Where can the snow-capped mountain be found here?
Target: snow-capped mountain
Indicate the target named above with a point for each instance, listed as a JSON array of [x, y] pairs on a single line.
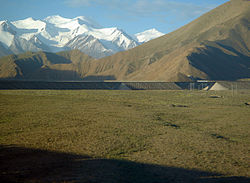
[[6, 33], [56, 33], [87, 44], [148, 35]]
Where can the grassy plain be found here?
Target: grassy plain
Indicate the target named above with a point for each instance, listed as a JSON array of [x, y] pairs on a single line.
[[124, 136]]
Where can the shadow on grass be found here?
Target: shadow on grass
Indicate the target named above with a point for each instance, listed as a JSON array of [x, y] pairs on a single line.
[[18, 164]]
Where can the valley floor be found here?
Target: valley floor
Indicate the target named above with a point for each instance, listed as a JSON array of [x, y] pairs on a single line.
[[124, 136]]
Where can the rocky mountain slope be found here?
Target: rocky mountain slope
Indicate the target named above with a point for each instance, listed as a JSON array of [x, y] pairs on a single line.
[[214, 46]]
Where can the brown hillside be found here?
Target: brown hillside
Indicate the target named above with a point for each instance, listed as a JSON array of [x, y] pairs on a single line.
[[215, 46], [44, 65]]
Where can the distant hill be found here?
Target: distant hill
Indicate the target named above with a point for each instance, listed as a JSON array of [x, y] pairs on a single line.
[[67, 65], [214, 46]]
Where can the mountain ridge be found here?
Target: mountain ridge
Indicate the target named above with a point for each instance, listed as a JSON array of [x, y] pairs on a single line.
[[213, 47], [55, 34]]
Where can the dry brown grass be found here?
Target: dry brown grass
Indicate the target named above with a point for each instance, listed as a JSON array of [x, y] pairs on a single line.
[[124, 131]]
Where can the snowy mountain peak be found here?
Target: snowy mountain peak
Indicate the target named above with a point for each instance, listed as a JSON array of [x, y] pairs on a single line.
[[81, 17], [56, 19], [29, 23], [3, 22], [148, 35], [152, 30], [29, 19], [87, 21], [71, 24], [56, 33], [7, 33], [6, 26]]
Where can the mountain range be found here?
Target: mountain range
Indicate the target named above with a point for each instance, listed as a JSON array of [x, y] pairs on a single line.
[[213, 47], [56, 33]]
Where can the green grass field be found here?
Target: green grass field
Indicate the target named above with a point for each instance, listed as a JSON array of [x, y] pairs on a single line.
[[124, 136]]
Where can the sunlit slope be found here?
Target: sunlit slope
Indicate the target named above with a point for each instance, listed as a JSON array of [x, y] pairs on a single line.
[[214, 46]]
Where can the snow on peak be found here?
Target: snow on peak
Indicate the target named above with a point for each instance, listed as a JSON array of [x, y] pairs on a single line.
[[56, 19], [61, 22], [29, 19], [81, 17], [56, 33], [2, 22], [87, 21], [29, 23], [7, 33], [7, 26], [148, 35]]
